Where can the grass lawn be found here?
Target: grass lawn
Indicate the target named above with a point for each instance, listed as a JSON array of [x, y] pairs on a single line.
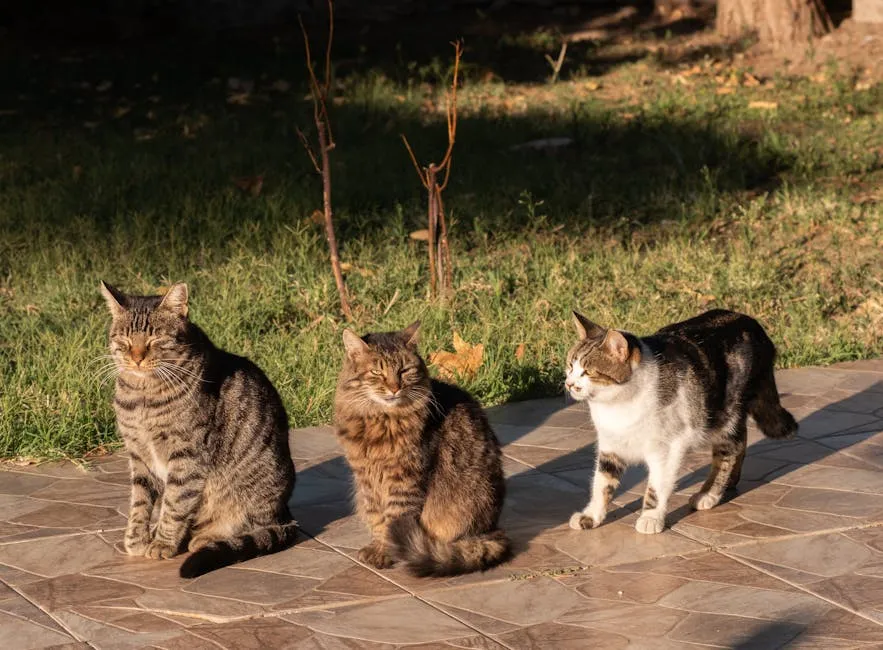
[[688, 186]]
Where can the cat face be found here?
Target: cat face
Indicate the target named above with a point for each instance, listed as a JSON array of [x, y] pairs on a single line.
[[599, 363], [145, 334], [384, 370]]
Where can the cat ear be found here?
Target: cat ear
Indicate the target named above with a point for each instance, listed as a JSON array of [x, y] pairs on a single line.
[[586, 328], [175, 299], [115, 300], [410, 333], [617, 345], [353, 343]]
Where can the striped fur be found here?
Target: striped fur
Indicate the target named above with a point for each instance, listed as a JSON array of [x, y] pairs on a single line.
[[426, 463], [207, 438], [653, 399]]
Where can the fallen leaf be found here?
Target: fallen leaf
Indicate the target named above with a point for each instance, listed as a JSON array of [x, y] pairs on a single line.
[[769, 106], [281, 86], [104, 86], [463, 363], [318, 217], [725, 90], [120, 111], [76, 172], [519, 351], [420, 235], [750, 80], [238, 99], [250, 184]]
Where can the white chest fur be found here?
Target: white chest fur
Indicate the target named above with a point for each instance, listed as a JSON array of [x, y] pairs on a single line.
[[157, 465]]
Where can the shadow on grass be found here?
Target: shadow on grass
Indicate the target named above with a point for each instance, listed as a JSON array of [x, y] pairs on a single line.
[[150, 129]]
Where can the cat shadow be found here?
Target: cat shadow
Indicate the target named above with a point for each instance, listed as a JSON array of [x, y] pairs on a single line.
[[544, 496], [541, 496]]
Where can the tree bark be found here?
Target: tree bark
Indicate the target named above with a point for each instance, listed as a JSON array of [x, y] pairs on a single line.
[[775, 22]]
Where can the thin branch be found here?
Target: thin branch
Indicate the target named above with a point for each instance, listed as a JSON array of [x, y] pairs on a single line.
[[419, 171], [308, 148]]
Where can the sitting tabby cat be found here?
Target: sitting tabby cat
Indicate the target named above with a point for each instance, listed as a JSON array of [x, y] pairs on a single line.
[[426, 462], [652, 399], [207, 437]]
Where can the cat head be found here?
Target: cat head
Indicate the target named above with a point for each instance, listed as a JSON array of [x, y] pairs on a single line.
[[384, 370], [146, 332], [600, 363]]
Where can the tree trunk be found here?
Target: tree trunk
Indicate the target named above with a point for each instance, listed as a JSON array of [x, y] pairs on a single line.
[[775, 22]]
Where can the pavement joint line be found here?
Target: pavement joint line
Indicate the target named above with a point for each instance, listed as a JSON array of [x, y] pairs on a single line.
[[802, 588]]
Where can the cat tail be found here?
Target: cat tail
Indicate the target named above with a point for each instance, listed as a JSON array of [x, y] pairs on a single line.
[[769, 414], [215, 555], [423, 555]]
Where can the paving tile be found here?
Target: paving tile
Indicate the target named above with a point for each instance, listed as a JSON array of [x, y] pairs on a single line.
[[55, 594], [565, 637], [522, 602], [103, 635], [85, 491], [313, 442], [553, 411], [56, 556], [401, 620], [632, 620], [547, 436], [65, 515], [28, 634], [254, 634], [301, 561], [22, 484], [195, 605], [258, 587]]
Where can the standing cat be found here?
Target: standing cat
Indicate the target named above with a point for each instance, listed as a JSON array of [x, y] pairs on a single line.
[[652, 399], [428, 476], [207, 437]]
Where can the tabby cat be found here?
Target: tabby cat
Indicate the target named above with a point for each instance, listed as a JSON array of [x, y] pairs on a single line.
[[207, 438], [652, 399], [426, 463]]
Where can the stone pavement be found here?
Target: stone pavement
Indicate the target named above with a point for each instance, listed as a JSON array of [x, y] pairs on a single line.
[[794, 559]]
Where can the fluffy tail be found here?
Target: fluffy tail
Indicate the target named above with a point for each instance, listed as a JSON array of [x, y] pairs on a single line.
[[772, 419], [424, 555], [238, 549]]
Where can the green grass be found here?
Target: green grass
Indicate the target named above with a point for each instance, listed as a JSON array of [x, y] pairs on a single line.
[[673, 199]]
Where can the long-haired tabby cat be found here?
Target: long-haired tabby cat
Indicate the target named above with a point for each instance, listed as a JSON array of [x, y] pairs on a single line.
[[654, 398], [207, 437], [428, 476]]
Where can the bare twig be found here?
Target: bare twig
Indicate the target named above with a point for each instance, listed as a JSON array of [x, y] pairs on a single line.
[[441, 273], [319, 93], [556, 64]]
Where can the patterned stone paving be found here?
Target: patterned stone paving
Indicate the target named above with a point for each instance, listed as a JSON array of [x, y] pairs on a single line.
[[794, 559]]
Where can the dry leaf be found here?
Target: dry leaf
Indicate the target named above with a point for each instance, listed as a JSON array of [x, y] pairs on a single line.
[[463, 363], [104, 86], [420, 235], [764, 105], [250, 184], [120, 111], [318, 217], [239, 99], [725, 90], [76, 172], [750, 80], [519, 351], [281, 86]]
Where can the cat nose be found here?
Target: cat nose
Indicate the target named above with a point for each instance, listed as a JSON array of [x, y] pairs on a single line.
[[395, 389], [137, 353]]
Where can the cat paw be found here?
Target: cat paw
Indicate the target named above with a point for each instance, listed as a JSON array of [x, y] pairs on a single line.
[[703, 501], [374, 555], [136, 546], [650, 524], [582, 521], [157, 550]]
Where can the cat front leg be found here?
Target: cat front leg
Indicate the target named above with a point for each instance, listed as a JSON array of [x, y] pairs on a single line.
[[609, 469], [181, 499], [145, 492], [661, 481]]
